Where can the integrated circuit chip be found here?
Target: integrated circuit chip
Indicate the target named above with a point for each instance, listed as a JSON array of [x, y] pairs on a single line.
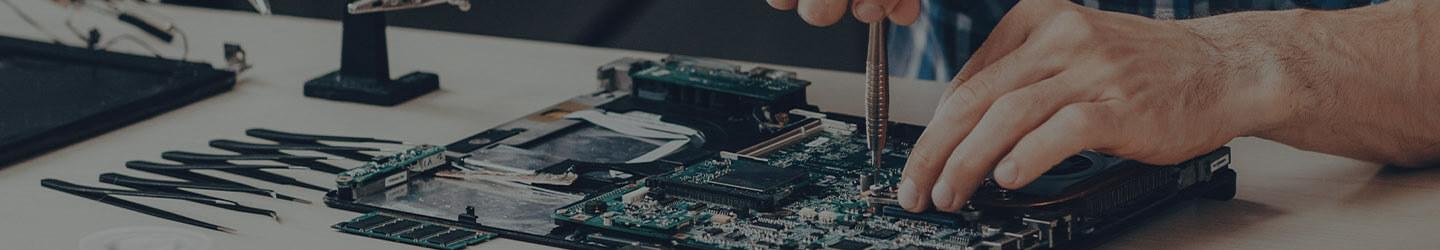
[[451, 237], [367, 222], [742, 183], [420, 233], [883, 234], [395, 227], [849, 245], [758, 176]]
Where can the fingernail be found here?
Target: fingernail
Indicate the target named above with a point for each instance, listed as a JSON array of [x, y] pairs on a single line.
[[944, 199], [908, 194], [869, 12], [1005, 173]]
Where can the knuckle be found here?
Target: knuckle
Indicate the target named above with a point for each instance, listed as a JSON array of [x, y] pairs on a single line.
[[962, 94], [1073, 114]]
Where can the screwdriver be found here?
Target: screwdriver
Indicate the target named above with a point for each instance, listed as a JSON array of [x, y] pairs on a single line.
[[877, 100]]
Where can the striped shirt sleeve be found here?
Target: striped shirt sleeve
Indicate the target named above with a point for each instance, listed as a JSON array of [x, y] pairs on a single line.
[[948, 31]]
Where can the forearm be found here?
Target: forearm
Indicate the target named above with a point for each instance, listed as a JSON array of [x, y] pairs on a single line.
[[1360, 83]]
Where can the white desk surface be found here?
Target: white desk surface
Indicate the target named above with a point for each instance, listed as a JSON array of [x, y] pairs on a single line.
[[1287, 198]]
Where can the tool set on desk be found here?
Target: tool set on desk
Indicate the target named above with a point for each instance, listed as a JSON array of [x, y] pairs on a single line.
[[189, 173]]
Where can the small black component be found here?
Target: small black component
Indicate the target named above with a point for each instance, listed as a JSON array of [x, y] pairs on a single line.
[[714, 231], [451, 237], [735, 236], [369, 222], [396, 227], [420, 233], [469, 215], [595, 207], [758, 176], [850, 245], [917, 247], [769, 225], [938, 218], [883, 234], [748, 184]]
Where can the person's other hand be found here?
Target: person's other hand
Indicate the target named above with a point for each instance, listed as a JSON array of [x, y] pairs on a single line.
[[1055, 78], [827, 12]]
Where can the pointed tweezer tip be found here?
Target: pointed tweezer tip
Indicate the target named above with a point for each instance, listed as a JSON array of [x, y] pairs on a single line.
[[225, 229], [302, 201]]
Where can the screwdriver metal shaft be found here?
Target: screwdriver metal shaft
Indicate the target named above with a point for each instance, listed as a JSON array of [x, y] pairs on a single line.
[[877, 99]]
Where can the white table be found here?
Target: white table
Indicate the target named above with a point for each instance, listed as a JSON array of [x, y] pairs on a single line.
[[1287, 198]]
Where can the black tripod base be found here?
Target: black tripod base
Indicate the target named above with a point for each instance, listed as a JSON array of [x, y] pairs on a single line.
[[383, 92]]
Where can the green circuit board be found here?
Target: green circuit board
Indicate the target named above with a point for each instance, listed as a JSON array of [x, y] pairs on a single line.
[[384, 172], [819, 208], [760, 83]]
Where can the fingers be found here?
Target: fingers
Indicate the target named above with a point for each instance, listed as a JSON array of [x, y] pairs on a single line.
[[958, 113], [822, 12], [1074, 128], [869, 11], [782, 4], [905, 12], [1010, 118], [922, 168]]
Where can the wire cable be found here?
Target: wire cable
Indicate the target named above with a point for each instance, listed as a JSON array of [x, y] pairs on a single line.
[[128, 37]]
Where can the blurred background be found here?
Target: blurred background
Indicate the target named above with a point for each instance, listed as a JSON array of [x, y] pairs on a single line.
[[747, 30]]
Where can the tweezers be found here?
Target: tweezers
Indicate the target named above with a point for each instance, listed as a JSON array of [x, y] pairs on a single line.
[[174, 187], [107, 196], [183, 172], [352, 153], [213, 159]]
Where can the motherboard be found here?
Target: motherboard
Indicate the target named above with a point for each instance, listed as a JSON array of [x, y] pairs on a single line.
[[806, 195], [698, 154]]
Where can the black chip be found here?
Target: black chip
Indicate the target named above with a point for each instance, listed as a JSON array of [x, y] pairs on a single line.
[[368, 222], [850, 245], [396, 227], [768, 225], [758, 176], [714, 231], [918, 247], [423, 231], [735, 236], [451, 237], [881, 233]]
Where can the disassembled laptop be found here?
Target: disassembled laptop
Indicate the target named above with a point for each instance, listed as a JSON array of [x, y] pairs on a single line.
[[695, 153]]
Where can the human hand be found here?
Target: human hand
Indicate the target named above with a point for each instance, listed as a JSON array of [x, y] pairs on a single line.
[[827, 12], [1055, 78]]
